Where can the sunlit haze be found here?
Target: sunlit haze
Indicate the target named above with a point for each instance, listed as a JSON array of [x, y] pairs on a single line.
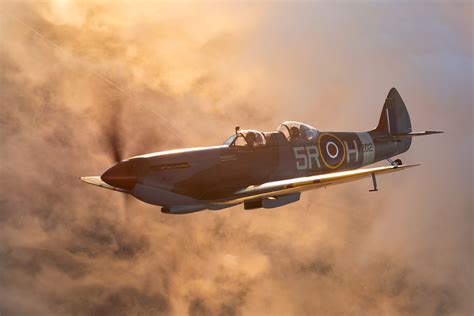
[[168, 75]]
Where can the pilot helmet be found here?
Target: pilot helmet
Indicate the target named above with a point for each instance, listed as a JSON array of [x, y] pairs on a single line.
[[251, 138], [294, 133]]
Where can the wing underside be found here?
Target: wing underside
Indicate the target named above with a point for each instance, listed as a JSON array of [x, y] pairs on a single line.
[[284, 187]]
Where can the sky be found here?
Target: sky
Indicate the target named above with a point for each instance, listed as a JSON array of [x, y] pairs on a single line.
[[170, 75]]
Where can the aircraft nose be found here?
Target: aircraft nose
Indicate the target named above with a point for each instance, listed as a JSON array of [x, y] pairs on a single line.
[[122, 175]]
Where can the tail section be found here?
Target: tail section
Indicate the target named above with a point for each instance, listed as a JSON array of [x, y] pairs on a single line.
[[393, 134], [394, 122], [394, 118]]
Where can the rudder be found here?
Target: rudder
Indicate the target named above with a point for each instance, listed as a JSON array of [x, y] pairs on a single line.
[[394, 118]]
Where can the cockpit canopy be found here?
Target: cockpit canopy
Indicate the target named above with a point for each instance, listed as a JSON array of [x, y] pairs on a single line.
[[291, 130], [250, 138], [294, 131]]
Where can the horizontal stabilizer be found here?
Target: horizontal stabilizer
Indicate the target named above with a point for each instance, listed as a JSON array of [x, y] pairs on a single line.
[[97, 181], [412, 134], [407, 135]]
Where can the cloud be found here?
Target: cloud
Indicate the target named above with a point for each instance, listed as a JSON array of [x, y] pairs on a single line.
[[75, 75]]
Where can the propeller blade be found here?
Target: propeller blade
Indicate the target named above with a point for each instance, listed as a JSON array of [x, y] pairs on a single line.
[[113, 132], [115, 144]]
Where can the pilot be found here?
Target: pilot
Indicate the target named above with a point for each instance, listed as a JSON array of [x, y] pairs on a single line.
[[294, 133], [251, 139], [303, 132]]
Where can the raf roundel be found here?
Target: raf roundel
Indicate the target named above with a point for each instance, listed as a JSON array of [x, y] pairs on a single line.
[[332, 150]]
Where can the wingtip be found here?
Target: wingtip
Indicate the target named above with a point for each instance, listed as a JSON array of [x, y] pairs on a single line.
[[91, 179], [97, 181]]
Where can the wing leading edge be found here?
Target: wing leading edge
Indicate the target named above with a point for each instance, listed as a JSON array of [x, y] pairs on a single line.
[[283, 187]]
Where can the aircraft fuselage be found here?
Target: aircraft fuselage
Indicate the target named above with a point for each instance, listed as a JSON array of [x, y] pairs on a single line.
[[211, 173], [263, 169]]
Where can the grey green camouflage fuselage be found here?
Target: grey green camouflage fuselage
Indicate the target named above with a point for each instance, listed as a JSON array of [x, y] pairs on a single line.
[[211, 173], [275, 163]]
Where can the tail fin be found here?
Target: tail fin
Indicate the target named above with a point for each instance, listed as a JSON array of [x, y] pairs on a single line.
[[394, 118], [395, 121]]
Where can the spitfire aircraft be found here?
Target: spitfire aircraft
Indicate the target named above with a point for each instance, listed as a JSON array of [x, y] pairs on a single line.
[[263, 169]]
